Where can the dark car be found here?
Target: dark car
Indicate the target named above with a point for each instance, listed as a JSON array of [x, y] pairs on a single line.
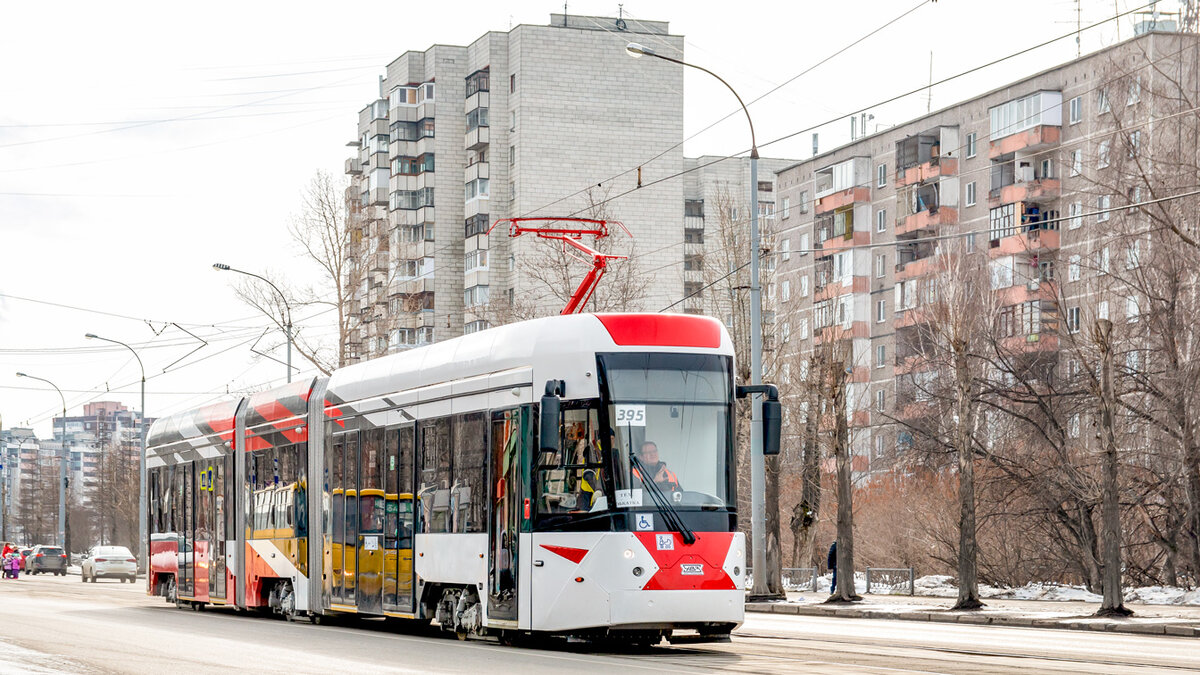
[[50, 559]]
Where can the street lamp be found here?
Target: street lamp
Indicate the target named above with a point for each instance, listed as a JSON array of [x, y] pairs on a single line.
[[758, 535], [142, 534], [220, 267], [63, 533]]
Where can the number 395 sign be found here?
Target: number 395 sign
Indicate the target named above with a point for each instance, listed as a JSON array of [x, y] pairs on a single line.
[[631, 415]]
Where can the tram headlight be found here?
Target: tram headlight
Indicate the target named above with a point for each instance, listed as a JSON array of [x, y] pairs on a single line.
[[629, 554]]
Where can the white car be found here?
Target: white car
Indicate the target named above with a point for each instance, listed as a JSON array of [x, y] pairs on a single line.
[[108, 561]]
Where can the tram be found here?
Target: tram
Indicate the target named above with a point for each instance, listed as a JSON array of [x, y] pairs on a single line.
[[573, 475]]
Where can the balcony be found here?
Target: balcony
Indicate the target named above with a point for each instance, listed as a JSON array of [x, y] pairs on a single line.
[[1031, 140], [476, 138], [1032, 240], [929, 219], [476, 170], [915, 269], [936, 167], [841, 198], [353, 166], [1032, 190]]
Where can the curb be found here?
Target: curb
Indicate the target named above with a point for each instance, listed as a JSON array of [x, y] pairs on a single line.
[[1070, 623]]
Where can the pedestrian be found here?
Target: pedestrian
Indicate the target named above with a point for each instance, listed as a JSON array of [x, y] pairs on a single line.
[[831, 562]]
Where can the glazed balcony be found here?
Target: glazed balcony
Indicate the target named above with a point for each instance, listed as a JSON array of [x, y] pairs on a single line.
[[353, 167]]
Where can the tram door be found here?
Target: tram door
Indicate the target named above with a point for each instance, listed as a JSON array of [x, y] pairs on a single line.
[[370, 544], [508, 501], [216, 571], [337, 487], [398, 519]]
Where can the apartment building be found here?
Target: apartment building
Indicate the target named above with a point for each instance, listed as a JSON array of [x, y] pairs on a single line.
[[536, 121], [1020, 175], [716, 228]]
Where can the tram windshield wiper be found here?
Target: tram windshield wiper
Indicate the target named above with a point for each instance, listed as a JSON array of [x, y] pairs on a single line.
[[665, 507]]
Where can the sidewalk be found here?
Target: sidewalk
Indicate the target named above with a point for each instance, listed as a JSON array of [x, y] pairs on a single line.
[[1072, 615]]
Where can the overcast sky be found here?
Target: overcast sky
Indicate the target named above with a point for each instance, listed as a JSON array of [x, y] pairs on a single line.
[[142, 142]]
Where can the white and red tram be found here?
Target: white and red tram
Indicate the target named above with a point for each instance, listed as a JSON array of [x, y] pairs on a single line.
[[493, 482]]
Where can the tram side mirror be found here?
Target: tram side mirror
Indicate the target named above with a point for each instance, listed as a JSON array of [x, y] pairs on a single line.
[[772, 414], [549, 423], [772, 421]]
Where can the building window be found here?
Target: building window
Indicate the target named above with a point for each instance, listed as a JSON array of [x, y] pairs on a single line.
[[1072, 319], [880, 265], [805, 244], [1074, 215], [971, 144], [881, 175], [804, 286], [475, 260], [1135, 143], [412, 166], [1103, 203], [1102, 266], [693, 262], [475, 296], [785, 290], [476, 224], [411, 199], [1076, 110], [1073, 269], [785, 249], [1133, 255], [803, 201], [1102, 105], [1135, 91], [693, 236], [1102, 309], [881, 220], [1132, 311], [475, 327], [880, 406], [1102, 155], [512, 83], [971, 193], [477, 118], [880, 356], [1076, 162], [787, 207], [1073, 426], [477, 82], [476, 189], [880, 311]]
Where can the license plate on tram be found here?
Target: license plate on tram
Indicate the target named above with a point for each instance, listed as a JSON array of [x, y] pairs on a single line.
[[692, 569]]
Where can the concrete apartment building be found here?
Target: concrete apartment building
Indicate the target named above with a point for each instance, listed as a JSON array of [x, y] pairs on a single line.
[[518, 123], [1018, 172]]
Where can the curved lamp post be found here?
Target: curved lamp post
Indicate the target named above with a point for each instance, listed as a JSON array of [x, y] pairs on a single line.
[[758, 536], [288, 319], [142, 534], [63, 534]]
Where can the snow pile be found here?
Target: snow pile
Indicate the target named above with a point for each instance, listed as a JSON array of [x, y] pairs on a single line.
[[1163, 595], [943, 586]]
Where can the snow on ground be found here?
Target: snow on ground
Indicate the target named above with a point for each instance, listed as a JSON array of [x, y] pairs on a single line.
[[940, 585], [943, 586]]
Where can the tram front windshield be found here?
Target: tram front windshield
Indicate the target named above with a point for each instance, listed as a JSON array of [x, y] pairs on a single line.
[[670, 421]]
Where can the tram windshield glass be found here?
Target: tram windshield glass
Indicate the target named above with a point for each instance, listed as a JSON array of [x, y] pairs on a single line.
[[670, 421]]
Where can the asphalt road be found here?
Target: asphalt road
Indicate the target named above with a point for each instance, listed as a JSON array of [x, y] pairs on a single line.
[[59, 625]]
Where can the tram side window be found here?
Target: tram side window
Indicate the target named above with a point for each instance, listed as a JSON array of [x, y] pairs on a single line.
[[370, 493], [468, 491], [434, 481], [572, 480]]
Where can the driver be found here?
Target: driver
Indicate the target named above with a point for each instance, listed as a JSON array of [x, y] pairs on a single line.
[[663, 477]]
